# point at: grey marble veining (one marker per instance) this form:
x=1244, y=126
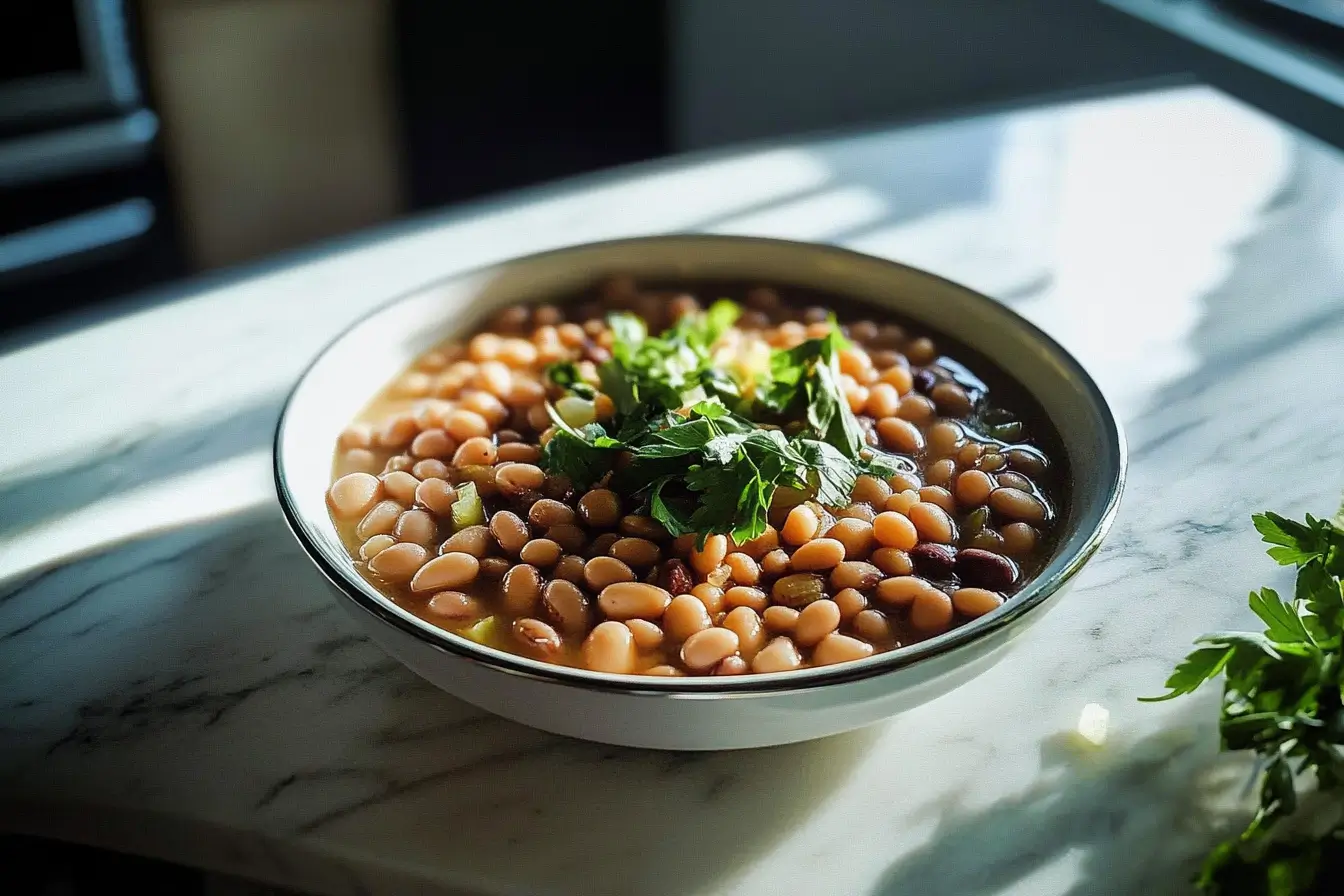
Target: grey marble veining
x=177, y=682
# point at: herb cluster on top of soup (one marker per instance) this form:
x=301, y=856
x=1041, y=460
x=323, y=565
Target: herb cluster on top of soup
x=637, y=483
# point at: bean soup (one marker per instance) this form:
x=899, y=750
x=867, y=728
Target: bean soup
x=637, y=482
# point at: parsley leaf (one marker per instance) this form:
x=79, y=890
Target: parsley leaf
x=566, y=374
x=1283, y=699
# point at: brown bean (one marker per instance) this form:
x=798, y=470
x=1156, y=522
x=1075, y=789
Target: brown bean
x=547, y=513
x=780, y=655
x=931, y=611
x=856, y=574
x=463, y=424
x=639, y=526
x=939, y=496
x=744, y=569
x=973, y=488
x=850, y=602
x=399, y=563
x=515, y=479
x=494, y=567
x=1026, y=461
x=873, y=626
x=416, y=526
x=398, y=431
x=685, y=615
x=895, y=530
x=400, y=486
x=883, y=400
x=1017, y=505
x=798, y=590
x=932, y=523
x=709, y=595
x=1014, y=480
x=540, y=552
x=664, y=671
x=437, y=495
x=731, y=665
x=356, y=435
x=518, y=453
x=375, y=545
x=902, y=590
x=916, y=409
x=570, y=567
x=354, y=494
x=855, y=535
x=892, y=562
x=816, y=621
x=1019, y=539
x=800, y=526
x=862, y=512
x=380, y=520
x=610, y=647
x=647, y=635
x=600, y=572
x=633, y=600
x=975, y=602
x=568, y=536
x=639, y=553
x=902, y=501
x=871, y=490
x=454, y=605
x=536, y=637
x=706, y=559
x=432, y=443
x=819, y=554
x=359, y=460
x=705, y=649
x=476, y=451
x=600, y=508
x=521, y=589
x=756, y=548
x=746, y=596
x=780, y=619
x=400, y=463
x=510, y=531
x=746, y=624
x=567, y=607
x=474, y=540
x=900, y=436
x=983, y=569
x=945, y=437
x=776, y=563
x=838, y=648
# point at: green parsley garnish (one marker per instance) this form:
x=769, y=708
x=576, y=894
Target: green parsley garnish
x=704, y=446
x=1282, y=700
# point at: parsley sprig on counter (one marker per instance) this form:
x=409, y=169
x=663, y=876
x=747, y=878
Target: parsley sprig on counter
x=1283, y=699
x=704, y=436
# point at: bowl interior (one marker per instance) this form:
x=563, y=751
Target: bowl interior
x=345, y=377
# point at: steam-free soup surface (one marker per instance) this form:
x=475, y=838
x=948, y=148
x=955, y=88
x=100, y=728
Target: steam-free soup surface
x=645, y=481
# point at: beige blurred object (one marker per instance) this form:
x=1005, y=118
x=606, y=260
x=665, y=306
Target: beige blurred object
x=278, y=119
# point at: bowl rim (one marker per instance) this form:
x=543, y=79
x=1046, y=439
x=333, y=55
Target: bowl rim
x=1034, y=596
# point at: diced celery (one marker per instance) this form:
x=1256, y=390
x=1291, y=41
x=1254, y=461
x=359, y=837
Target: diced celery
x=467, y=509
x=483, y=631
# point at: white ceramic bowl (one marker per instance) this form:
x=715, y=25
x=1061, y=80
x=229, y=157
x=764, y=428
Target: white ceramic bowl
x=694, y=713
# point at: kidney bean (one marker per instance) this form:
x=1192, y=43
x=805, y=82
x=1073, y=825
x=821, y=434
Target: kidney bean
x=675, y=577
x=982, y=569
x=934, y=561
x=567, y=606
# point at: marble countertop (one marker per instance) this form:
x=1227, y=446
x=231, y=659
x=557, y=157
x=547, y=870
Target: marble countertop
x=177, y=682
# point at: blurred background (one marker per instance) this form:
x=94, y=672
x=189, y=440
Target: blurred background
x=146, y=141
